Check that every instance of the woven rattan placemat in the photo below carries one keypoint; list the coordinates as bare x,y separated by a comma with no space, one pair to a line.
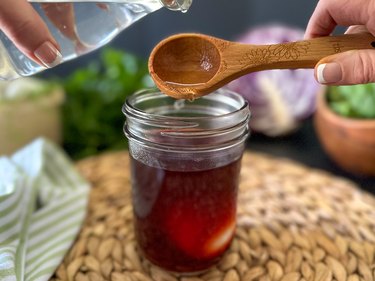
294,223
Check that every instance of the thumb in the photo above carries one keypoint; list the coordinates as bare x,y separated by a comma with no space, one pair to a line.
23,26
347,68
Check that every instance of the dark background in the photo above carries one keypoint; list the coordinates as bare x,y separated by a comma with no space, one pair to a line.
228,19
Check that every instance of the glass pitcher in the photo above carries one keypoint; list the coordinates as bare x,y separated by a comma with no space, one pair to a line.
80,26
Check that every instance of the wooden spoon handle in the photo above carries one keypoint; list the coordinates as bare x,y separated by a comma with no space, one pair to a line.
303,54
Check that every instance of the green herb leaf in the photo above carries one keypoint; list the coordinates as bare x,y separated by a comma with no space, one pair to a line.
93,120
357,101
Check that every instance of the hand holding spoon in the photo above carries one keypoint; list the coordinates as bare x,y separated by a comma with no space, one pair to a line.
188,66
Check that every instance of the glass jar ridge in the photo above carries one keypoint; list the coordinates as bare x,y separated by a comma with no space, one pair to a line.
162,129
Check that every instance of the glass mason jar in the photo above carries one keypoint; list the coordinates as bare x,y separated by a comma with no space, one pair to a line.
185,165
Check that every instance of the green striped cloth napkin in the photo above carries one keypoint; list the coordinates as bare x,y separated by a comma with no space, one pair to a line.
43,203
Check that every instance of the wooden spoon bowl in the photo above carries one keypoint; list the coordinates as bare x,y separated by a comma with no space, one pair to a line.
188,60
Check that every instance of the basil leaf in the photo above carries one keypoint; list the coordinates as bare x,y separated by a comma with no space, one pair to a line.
357,101
92,115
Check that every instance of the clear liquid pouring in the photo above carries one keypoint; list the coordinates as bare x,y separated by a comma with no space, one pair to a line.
79,27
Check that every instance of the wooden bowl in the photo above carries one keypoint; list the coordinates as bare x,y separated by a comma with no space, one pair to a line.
349,142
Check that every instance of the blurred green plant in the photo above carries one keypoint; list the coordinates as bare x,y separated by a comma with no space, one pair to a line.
92,115
357,101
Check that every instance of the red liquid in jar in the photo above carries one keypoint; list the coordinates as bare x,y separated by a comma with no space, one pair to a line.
184,221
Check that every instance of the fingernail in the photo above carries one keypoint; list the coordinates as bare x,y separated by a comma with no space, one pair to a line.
328,73
48,54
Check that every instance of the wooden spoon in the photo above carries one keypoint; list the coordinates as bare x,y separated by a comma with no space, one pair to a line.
188,66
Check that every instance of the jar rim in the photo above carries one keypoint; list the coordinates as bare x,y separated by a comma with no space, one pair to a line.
214,121
129,108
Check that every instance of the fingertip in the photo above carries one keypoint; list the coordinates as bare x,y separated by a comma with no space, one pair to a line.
356,29
329,73
307,36
319,73
321,22
48,54
26,29
347,68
